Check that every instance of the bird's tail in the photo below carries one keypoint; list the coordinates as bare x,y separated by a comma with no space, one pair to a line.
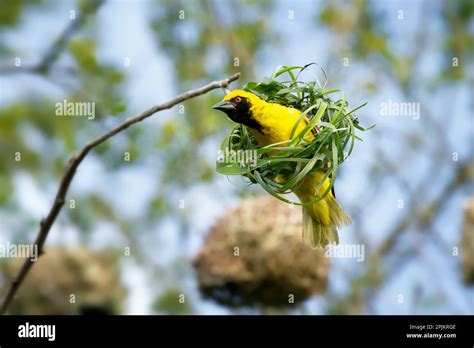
320,231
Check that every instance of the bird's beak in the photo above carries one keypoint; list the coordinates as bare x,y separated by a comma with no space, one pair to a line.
224,106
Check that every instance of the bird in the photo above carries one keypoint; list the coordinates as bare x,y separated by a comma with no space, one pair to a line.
272,123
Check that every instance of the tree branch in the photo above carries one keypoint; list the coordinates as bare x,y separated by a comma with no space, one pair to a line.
75,161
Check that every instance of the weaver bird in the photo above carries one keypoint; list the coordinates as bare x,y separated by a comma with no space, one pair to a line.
273,123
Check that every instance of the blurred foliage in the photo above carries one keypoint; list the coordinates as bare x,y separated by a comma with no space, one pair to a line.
185,33
12,10
460,43
467,242
361,27
99,81
172,301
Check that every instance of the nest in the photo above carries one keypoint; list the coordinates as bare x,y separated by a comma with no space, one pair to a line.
331,120
92,278
467,243
254,255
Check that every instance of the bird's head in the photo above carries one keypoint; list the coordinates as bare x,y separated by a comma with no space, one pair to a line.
240,107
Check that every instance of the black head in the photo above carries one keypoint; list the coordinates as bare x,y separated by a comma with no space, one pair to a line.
238,109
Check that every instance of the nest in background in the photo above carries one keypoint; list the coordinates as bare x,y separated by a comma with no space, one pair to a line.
334,123
467,242
92,278
254,255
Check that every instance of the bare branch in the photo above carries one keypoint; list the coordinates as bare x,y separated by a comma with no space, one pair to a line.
75,161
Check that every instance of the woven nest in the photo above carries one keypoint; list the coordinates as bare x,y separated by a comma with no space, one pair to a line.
255,255
92,278
467,242
332,120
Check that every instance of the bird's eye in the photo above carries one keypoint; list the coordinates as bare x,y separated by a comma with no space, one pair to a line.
238,99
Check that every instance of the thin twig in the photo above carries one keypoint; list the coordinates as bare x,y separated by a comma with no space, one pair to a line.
74,162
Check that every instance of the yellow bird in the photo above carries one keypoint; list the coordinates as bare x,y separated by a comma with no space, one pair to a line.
272,123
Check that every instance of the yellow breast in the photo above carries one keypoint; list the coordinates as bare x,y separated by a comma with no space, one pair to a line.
277,122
